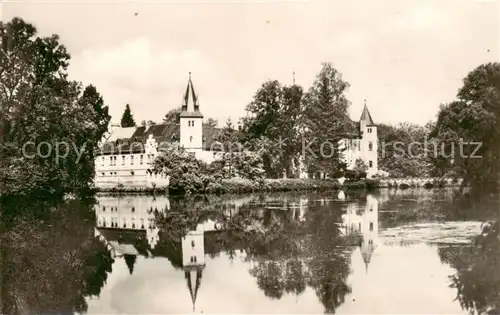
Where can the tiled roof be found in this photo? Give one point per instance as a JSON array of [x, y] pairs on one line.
[[162, 133]]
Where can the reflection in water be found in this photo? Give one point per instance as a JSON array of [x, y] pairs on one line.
[[363, 223], [382, 252]]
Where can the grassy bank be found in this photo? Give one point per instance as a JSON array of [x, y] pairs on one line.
[[240, 185]]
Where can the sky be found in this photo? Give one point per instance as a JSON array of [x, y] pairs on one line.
[[404, 57]]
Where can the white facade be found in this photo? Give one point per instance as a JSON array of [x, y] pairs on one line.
[[364, 148], [129, 170]]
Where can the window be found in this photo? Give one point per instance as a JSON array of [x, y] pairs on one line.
[[370, 242], [192, 123], [371, 209], [371, 226], [369, 130], [123, 159], [192, 243], [102, 161], [103, 174], [111, 161], [103, 208], [140, 162], [132, 173], [370, 146], [142, 223], [193, 259], [191, 139], [133, 209], [131, 160], [370, 163]]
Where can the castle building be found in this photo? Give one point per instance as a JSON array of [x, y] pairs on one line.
[[126, 154], [363, 145]]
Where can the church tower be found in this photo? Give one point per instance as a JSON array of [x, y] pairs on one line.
[[191, 121], [193, 261], [369, 141]]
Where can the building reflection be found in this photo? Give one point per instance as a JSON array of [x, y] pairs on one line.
[[193, 260], [128, 225], [361, 226]]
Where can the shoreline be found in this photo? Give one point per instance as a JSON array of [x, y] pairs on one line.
[[244, 186]]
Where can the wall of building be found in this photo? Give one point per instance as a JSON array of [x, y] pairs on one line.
[[129, 170], [191, 133]]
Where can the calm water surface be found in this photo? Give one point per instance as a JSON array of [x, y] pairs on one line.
[[384, 252]]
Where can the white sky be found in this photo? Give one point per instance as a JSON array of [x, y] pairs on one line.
[[405, 57]]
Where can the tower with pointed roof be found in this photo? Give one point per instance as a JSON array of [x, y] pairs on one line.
[[369, 141], [191, 120], [193, 261]]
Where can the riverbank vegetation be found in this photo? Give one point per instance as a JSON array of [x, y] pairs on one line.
[[43, 112], [49, 124]]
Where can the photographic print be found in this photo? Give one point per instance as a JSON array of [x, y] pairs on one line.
[[249, 157]]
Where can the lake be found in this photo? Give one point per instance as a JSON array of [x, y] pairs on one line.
[[388, 251]]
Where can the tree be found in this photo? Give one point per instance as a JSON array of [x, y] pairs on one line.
[[275, 126], [188, 175], [38, 104], [290, 123], [326, 121], [402, 151], [265, 109], [127, 118], [211, 122], [173, 116], [468, 129]]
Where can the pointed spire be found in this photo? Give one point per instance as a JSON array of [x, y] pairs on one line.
[[365, 116], [190, 93]]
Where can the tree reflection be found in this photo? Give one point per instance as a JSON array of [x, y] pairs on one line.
[[51, 261], [477, 278], [288, 254]]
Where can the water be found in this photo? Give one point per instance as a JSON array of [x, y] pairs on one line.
[[355, 253]]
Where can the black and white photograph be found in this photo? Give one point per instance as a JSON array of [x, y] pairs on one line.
[[249, 157]]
